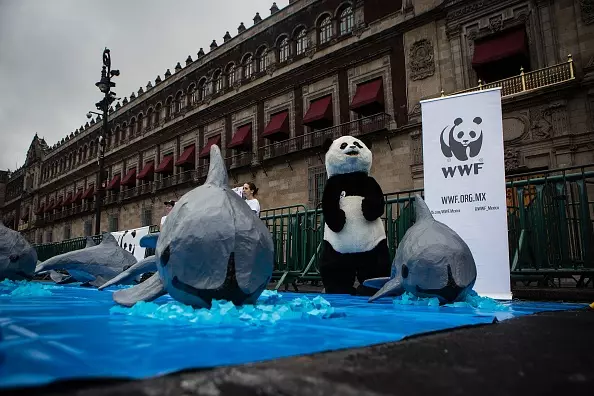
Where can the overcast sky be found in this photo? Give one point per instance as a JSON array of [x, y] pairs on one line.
[[51, 56]]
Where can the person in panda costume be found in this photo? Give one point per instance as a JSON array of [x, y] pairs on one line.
[[355, 244]]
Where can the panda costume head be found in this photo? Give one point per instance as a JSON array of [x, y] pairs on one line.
[[347, 154], [465, 139]]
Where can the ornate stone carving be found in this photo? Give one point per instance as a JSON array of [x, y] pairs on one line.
[[460, 12], [496, 23], [421, 63], [271, 69], [310, 51], [512, 158], [513, 128], [417, 147], [587, 10], [237, 85], [549, 120]]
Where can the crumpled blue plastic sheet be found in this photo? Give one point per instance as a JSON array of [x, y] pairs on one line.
[[78, 332]]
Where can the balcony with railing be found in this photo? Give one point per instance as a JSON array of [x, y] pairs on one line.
[[239, 160], [529, 81], [362, 126]]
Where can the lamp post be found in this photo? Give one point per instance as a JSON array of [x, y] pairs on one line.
[[104, 86]]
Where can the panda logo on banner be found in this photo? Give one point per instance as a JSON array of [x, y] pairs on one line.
[[464, 143]]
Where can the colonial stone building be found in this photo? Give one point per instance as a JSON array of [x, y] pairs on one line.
[[270, 94]]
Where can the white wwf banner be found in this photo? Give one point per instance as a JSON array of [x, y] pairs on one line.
[[130, 241], [464, 178]]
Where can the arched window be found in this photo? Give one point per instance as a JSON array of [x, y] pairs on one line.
[[262, 59], [283, 50], [179, 102], [158, 111], [133, 128], [301, 42], [347, 20], [217, 82], [325, 30], [149, 117], [230, 72], [247, 67], [169, 107], [192, 95], [202, 89]]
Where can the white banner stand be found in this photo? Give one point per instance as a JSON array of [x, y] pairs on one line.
[[130, 240], [464, 178]]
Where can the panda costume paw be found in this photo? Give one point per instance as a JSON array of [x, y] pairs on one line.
[[355, 245]]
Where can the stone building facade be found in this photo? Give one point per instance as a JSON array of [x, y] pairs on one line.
[[271, 94]]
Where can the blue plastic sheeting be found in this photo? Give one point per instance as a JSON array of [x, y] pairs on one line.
[[50, 332]]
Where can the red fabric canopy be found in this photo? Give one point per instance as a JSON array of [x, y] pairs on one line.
[[78, 196], [506, 44], [205, 152], [147, 172], [50, 207], [88, 194], [242, 137], [188, 157], [368, 93], [130, 178], [320, 109], [59, 203], [278, 127], [114, 183], [68, 200], [166, 165], [40, 208]]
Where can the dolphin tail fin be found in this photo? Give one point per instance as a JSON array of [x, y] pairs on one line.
[[150, 240], [148, 264], [376, 283], [60, 278], [149, 290], [391, 288], [422, 212], [217, 171]]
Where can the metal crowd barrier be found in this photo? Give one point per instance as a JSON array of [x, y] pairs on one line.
[[550, 223]]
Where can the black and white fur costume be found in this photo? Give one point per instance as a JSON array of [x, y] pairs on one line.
[[355, 244]]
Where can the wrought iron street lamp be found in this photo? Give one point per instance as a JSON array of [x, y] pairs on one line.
[[105, 85]]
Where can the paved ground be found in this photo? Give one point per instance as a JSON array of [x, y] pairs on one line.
[[543, 354]]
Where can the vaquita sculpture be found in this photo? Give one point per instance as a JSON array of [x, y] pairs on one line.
[[17, 256], [432, 260], [212, 247]]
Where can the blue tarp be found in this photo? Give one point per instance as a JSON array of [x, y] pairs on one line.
[[52, 332]]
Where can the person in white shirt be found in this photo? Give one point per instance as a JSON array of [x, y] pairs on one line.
[[249, 192], [168, 206]]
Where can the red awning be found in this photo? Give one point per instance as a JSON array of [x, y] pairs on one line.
[[40, 208], [278, 127], [114, 184], [320, 109], [68, 200], [188, 157], [506, 44], [166, 165], [205, 152], [371, 92], [147, 172], [130, 178], [59, 203], [50, 207], [88, 194], [77, 197], [242, 137]]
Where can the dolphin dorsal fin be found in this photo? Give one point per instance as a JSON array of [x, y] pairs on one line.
[[108, 239], [217, 171], [422, 212], [90, 243]]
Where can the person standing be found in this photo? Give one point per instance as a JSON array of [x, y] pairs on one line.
[[249, 192], [168, 206]]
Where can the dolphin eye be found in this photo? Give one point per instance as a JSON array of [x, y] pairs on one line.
[[165, 256], [472, 134], [404, 271], [13, 257], [343, 146]]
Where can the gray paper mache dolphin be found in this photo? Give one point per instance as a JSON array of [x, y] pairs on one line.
[[148, 264], [432, 260], [17, 256], [212, 246], [94, 265]]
